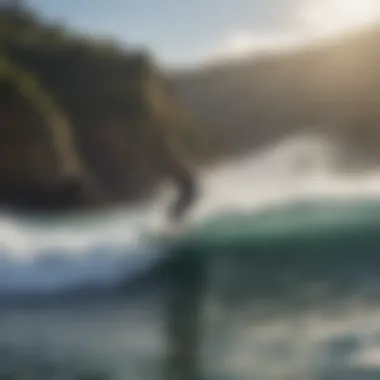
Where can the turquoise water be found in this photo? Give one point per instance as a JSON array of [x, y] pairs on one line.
[[292, 222]]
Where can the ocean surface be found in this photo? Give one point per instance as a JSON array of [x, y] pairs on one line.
[[265, 316]]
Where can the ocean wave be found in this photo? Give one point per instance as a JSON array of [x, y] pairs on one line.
[[47, 256]]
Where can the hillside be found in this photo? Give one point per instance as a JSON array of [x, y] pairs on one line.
[[331, 86], [118, 117], [39, 166]]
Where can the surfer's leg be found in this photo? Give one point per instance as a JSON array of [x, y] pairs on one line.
[[183, 319]]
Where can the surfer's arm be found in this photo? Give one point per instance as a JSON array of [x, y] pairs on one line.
[[177, 168], [187, 188]]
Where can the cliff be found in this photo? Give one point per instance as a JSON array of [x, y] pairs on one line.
[[119, 119], [39, 166], [330, 86]]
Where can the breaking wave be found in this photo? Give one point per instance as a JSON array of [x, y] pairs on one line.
[[51, 255]]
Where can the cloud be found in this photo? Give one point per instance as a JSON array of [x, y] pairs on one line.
[[245, 43]]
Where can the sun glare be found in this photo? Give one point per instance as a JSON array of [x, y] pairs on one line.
[[335, 16], [244, 43], [316, 19]]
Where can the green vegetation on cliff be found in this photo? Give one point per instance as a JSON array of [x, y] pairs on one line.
[[115, 113], [29, 118], [40, 168]]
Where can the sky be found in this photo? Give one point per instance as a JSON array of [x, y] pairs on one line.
[[185, 32]]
